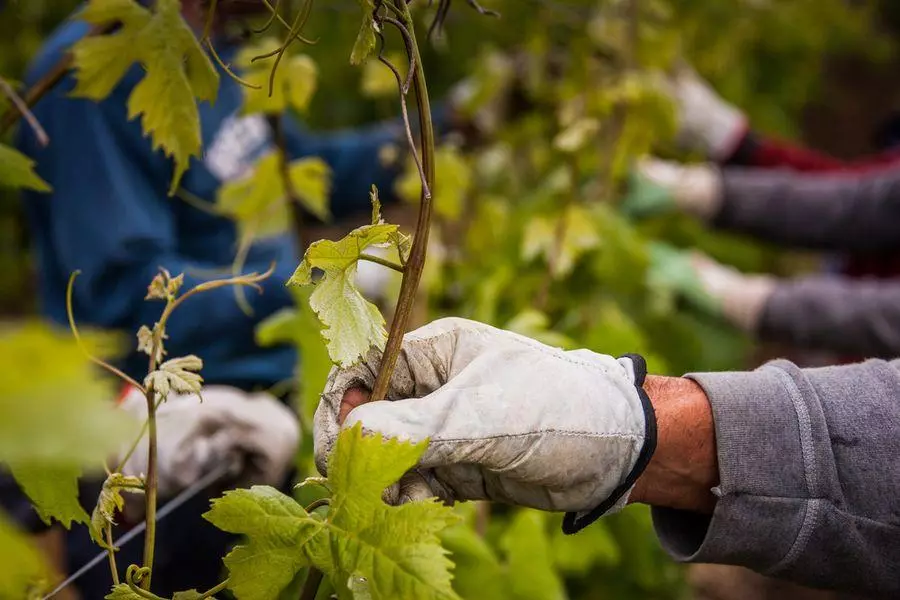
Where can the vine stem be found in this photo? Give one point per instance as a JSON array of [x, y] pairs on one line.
[[111, 551], [412, 273]]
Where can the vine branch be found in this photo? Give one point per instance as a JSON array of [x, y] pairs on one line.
[[412, 273]]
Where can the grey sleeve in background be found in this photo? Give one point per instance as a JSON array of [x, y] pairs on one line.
[[809, 465], [848, 213], [859, 317]]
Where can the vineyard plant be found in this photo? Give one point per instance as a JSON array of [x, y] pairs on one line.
[[513, 223]]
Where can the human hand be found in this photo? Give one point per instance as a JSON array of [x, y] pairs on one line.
[[254, 432], [659, 186], [710, 286], [508, 419], [707, 123]]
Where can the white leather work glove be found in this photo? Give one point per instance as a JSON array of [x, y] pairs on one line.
[[509, 419], [658, 186], [254, 432], [707, 123]]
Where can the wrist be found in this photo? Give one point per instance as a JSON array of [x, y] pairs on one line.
[[684, 468]]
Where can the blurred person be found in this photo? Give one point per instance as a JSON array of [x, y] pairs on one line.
[[109, 216], [786, 471], [856, 214]]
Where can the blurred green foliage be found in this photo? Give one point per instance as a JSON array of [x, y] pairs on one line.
[[531, 238]]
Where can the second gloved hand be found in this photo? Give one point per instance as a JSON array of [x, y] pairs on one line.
[[255, 433], [508, 419], [718, 289], [660, 186]]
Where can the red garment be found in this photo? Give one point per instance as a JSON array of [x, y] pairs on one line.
[[757, 151]]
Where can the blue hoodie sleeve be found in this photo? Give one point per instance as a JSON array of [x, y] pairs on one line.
[[110, 217], [354, 158]]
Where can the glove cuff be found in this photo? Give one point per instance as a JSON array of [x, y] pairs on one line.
[[576, 521]]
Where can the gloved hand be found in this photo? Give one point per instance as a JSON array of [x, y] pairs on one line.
[[255, 432], [718, 289], [707, 123], [659, 186], [509, 419]]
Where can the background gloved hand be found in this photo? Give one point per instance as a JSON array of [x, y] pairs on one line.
[[707, 123], [660, 186], [509, 419], [255, 432], [718, 289]]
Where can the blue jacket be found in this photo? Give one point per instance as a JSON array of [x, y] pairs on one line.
[[110, 217]]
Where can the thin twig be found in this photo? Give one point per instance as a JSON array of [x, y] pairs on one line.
[[23, 109], [381, 261], [311, 586], [49, 81], [81, 345]]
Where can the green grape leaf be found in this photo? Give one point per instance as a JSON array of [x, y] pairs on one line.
[[275, 528], [111, 502], [180, 375], [478, 574], [452, 184], [54, 410], [177, 72], [577, 554], [366, 39], [295, 80], [123, 592], [561, 241], [528, 554], [17, 171], [188, 595], [23, 570], [52, 490], [352, 324], [258, 202], [360, 543]]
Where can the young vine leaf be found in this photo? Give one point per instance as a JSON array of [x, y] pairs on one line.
[[353, 325], [181, 375], [388, 551], [177, 72], [55, 416], [367, 38], [294, 85], [123, 592], [53, 490], [110, 502], [258, 202], [17, 171]]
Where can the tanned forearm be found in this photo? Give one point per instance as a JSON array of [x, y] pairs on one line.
[[684, 467]]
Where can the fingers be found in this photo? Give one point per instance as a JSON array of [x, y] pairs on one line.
[[353, 398]]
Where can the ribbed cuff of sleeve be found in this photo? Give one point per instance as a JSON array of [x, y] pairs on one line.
[[758, 517]]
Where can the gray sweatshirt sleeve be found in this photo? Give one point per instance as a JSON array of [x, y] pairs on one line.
[[857, 317], [848, 213], [809, 466]]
